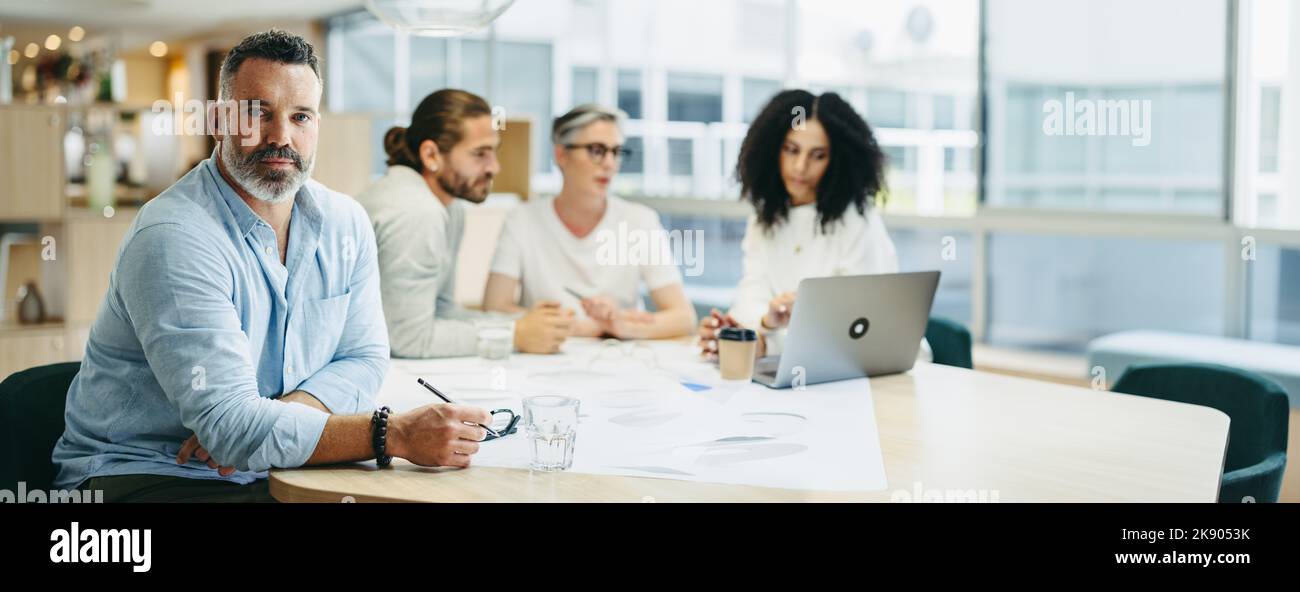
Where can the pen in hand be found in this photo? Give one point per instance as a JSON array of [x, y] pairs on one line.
[[448, 400]]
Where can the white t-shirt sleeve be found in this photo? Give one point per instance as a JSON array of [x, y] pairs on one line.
[[660, 270], [508, 258], [755, 290]]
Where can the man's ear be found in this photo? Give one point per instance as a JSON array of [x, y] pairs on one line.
[[561, 155], [430, 156]]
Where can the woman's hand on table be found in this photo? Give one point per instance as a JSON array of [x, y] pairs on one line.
[[710, 326]]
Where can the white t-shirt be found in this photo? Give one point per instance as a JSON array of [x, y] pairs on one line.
[[625, 249], [777, 260]]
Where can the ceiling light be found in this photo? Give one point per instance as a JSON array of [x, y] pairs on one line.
[[438, 18]]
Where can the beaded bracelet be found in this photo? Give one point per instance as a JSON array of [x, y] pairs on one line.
[[379, 436]]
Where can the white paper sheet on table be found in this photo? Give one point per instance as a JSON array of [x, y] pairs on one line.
[[638, 419]]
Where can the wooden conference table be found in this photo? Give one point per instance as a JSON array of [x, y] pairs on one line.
[[945, 433]]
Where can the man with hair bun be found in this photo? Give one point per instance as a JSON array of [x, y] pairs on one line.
[[446, 157]]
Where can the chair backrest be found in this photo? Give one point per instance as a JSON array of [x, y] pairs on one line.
[[31, 422], [1258, 407], [950, 342]]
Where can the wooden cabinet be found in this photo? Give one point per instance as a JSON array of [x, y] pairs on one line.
[[87, 251], [31, 163], [34, 189], [90, 251], [344, 152], [25, 348]]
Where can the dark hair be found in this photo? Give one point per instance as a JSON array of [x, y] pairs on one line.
[[438, 118], [274, 45], [855, 174]]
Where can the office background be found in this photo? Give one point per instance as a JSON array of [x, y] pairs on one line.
[[1046, 242], [1072, 237]]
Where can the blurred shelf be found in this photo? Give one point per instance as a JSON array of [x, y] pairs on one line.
[[14, 327], [124, 196], [80, 210]]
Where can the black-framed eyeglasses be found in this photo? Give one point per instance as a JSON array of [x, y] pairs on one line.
[[597, 151], [504, 422], [501, 424]]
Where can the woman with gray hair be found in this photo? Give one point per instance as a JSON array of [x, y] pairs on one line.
[[588, 249]]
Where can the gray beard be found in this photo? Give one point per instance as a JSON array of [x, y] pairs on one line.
[[277, 189]]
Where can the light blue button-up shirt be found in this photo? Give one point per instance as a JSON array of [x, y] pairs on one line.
[[203, 327]]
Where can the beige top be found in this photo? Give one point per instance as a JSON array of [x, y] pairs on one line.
[[418, 241]]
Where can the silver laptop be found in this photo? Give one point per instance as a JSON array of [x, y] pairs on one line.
[[850, 327]]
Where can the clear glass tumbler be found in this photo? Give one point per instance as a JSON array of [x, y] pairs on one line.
[[552, 425]]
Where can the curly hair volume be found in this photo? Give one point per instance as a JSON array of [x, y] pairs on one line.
[[854, 176]]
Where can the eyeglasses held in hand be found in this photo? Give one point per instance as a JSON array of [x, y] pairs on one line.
[[503, 423]]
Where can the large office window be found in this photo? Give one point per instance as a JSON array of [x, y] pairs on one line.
[[756, 93], [1117, 114], [372, 53], [911, 68], [662, 70], [629, 93], [1108, 122], [887, 108], [428, 67], [694, 97], [518, 70], [950, 252], [1268, 115], [1270, 121], [1058, 292], [586, 85], [368, 60], [945, 112], [681, 156], [634, 164], [1275, 295], [721, 261], [691, 87], [1117, 111]]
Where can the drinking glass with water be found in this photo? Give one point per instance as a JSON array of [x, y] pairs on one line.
[[496, 338], [552, 425]]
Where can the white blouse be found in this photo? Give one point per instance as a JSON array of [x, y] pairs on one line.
[[776, 260]]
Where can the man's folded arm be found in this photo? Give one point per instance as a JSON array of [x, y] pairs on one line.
[[177, 292]]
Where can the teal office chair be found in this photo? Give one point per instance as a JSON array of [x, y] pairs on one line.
[[949, 342], [1258, 410], [31, 421]]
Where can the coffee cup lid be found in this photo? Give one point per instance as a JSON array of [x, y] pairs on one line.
[[737, 334]]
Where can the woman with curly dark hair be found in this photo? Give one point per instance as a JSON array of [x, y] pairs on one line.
[[813, 171]]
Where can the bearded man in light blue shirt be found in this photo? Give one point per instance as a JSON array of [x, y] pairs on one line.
[[243, 329]]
